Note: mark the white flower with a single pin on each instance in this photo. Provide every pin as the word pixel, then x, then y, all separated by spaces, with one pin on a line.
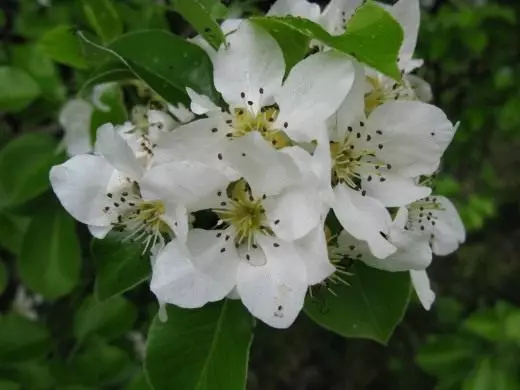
pixel 430 225
pixel 75 117
pixel 113 190
pixel 264 116
pixel 374 162
pixel 269 248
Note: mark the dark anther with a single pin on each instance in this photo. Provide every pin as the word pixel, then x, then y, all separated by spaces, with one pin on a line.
pixel 109 195
pixel 276 245
pixel 222 250
pixel 369 178
pixel 382 179
pixel 219 193
pixel 116 204
pixel 250 102
pixel 219 235
pixel 223 203
pixel 363 193
pixel 362 124
pixel 277 222
pixel 380 146
pixel 369 137
pixel 285 124
pixel 242 95
pixel 219 156
pixel 261 90
pixel 248 257
pixel 214 130
pixel 379 132
pixel 349 128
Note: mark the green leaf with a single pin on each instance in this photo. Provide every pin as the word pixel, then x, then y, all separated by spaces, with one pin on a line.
pixel 24 168
pixel 199 16
pixel 4 277
pixel 110 318
pixel 22 339
pixel 490 374
pixel 103 18
pixel 18 89
pixel 120 266
pixel 34 61
pixel 372 36
pixel 8 385
pixel 63 46
pixel 167 63
pixel 111 72
pixel 50 259
pixel 371 307
pixel 112 98
pixel 484 323
pixel 198 349
pixel 139 383
pixel 34 375
pixel 12 230
pixel 447 356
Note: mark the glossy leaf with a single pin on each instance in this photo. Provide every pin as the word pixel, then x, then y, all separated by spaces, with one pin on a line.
pixel 120 266
pixel 167 63
pixel 198 349
pixel 110 318
pixel 371 307
pixel 372 36
pixel 12 230
pixel 18 89
pixel 22 339
pixel 200 17
pixel 42 69
pixel 63 46
pixel 50 259
pixel 103 18
pixel 24 168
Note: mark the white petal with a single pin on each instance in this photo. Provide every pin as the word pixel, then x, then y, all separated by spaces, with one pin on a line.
pixel 267 170
pixel 408 14
pixel 182 182
pixel 313 250
pixel 449 230
pixel 75 120
pixel 274 292
pixel 81 184
pixel 117 151
pixel 337 13
pixel 312 92
pixel 180 112
pixel 97 94
pixel 99 232
pixel 365 218
pixel 200 104
pixel 300 8
pixel 252 63
pixel 160 121
pixel 176 217
pixel 353 107
pixel 422 90
pixel 421 284
pixel 293 214
pixel 191 276
pixel 395 191
pixel 414 136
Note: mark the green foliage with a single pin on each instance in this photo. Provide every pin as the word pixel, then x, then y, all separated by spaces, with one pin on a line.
pixel 371 305
pixel 199 15
pixel 24 168
pixel 480 355
pixel 209 347
pixel 62 45
pixel 372 36
pixel 18 89
pixel 120 266
pixel 50 258
pixel 103 18
pixel 22 339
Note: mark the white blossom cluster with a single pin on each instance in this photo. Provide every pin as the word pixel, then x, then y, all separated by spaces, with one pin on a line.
pixel 235 198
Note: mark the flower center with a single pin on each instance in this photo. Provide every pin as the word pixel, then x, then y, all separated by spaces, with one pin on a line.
pixel 385 89
pixel 422 216
pixel 355 157
pixel 141 219
pixel 244 213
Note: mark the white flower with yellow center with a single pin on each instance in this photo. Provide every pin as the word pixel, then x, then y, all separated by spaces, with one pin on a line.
pixel 267 250
pixel 264 114
pixel 374 162
pixel 426 227
pixel 113 189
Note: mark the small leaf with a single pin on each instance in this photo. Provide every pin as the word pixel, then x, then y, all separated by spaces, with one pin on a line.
pixel 103 18
pixel 50 259
pixel 139 383
pixel 63 46
pixel 120 266
pixel 22 339
pixel 203 348
pixel 372 36
pixel 371 307
pixel 34 61
pixel 199 16
pixel 12 230
pixel 490 374
pixel 24 168
pixel 18 89
pixel 110 318
pixel 167 63
pixel 8 385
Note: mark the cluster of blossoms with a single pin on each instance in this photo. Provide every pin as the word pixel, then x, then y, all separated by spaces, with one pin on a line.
pixel 234 198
